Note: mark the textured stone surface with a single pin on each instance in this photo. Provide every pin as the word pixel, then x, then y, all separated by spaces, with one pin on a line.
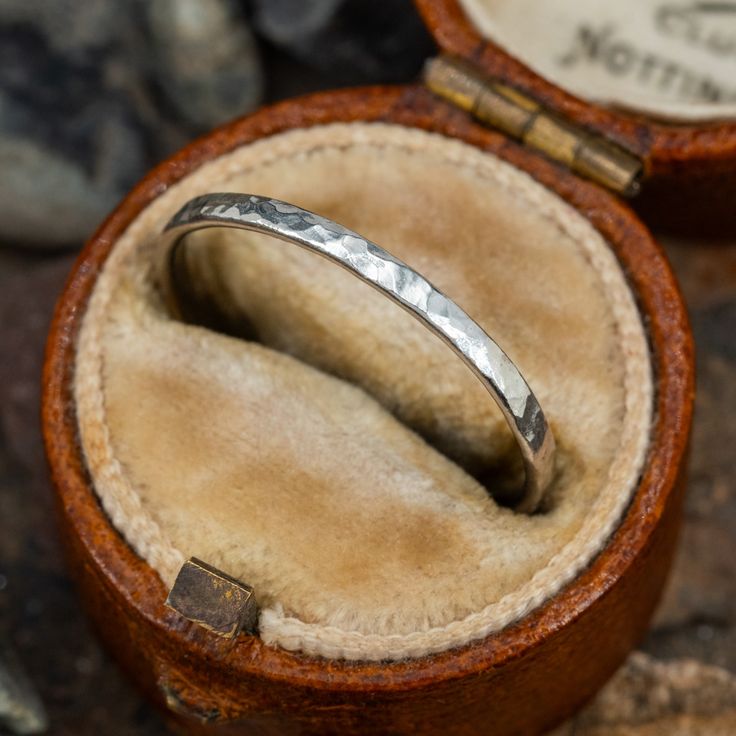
pixel 650 698
pixel 83 691
pixel 355 41
pixel 20 707
pixel 93 93
pixel 698 615
pixel 205 81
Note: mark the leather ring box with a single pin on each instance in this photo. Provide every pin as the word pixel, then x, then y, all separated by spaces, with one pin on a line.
pixel 525 675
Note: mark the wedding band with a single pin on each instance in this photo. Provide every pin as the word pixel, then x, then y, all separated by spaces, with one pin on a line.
pixel 398 282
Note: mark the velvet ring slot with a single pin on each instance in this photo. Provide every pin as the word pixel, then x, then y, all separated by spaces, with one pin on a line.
pixel 267 443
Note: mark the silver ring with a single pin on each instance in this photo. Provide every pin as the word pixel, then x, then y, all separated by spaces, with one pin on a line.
pixel 402 285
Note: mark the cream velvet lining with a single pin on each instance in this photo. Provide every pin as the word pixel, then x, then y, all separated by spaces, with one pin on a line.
pixel 666 58
pixel 269 461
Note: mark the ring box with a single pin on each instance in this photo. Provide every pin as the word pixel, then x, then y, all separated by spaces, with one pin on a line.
pixel 395 597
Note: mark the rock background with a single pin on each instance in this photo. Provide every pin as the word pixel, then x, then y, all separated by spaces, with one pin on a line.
pixel 94 92
pixel 91 94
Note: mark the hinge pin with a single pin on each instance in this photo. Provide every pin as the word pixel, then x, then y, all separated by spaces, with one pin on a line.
pixel 499 106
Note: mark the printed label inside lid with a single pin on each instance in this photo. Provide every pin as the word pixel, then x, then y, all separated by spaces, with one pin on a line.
pixel 673 58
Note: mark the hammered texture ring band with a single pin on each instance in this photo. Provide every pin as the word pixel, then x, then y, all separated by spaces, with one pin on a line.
pixel 398 282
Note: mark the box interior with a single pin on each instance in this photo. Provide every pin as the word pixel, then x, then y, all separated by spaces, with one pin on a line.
pixel 668 60
pixel 332 461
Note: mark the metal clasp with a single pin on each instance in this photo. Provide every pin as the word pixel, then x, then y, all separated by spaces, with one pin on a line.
pixel 213 600
pixel 509 110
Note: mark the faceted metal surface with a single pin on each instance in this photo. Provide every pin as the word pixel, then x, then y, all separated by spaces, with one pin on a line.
pixel 400 283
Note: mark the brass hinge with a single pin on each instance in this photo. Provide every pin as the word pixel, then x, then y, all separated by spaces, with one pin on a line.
pixel 521 117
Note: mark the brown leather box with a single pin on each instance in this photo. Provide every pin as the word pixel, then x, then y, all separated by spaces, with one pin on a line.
pixel 333 465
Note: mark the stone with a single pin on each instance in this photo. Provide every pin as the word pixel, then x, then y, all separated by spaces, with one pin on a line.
pixel 93 94
pixel 286 22
pixel 21 710
pixel 207 82
pixel 83 691
pixel 69 139
pixel 651 698
pixel 697 617
pixel 355 41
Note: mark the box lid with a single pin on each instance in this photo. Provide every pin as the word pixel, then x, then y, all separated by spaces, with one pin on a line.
pixel 701 149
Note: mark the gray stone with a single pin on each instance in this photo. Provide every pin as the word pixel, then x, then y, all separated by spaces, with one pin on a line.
pixel 83 691
pixel 46 198
pixel 96 26
pixel 650 698
pixel 352 40
pixel 20 707
pixel 92 94
pixel 289 22
pixel 70 139
pixel 205 59
pixel 698 615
